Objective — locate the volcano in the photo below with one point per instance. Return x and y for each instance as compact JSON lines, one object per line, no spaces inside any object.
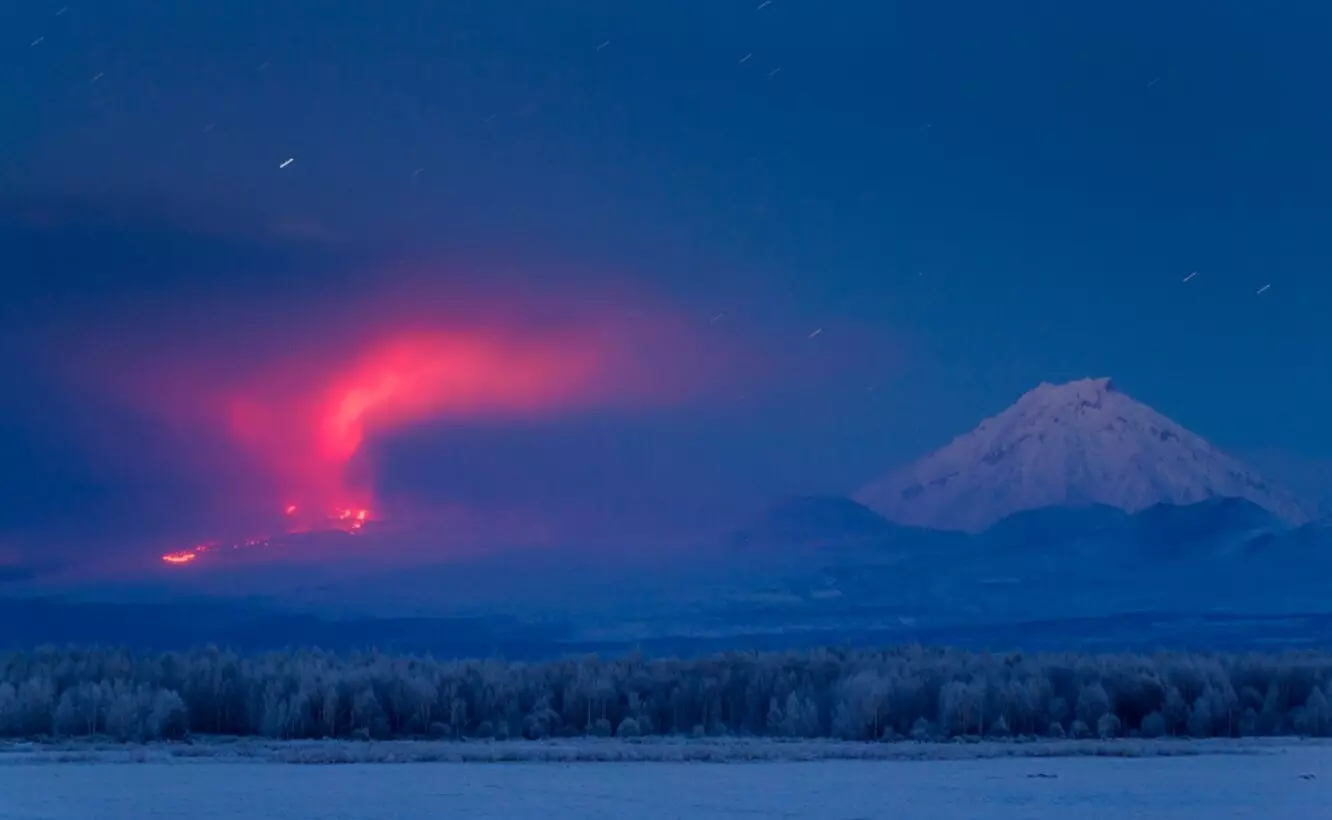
{"x":1076,"y":444}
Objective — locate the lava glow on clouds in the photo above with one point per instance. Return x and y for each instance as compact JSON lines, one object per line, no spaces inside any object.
{"x":307,"y":420}
{"x":299,"y":409}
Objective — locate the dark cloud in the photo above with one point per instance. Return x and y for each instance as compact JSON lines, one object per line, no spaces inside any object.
{"x":72,"y":260}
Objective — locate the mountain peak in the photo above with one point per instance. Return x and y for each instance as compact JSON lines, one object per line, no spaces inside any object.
{"x":1089,"y":392}
{"x":1083,"y":442}
{"x":1076,"y":389}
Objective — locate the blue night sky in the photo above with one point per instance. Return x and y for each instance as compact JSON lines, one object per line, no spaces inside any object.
{"x":967,"y":198}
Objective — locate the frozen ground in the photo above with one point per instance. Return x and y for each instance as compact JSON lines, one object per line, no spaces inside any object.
{"x":1289,"y":781}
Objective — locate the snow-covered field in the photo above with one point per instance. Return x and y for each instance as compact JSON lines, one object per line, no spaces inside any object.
{"x":1290,"y":781}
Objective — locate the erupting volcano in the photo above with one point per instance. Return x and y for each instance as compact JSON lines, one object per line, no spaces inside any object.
{"x":305,"y":427}
{"x":301,"y":419}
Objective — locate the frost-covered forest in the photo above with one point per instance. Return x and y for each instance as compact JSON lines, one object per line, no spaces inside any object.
{"x":901,"y":693}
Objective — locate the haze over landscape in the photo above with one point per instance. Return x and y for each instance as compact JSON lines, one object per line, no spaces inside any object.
{"x":697,"y":336}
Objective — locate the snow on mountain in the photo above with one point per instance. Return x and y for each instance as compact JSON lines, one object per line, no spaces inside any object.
{"x":1072,"y":444}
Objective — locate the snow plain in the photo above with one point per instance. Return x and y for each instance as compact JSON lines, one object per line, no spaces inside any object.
{"x":1291,"y":781}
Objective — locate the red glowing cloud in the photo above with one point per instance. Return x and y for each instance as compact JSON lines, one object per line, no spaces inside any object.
{"x":306,"y":419}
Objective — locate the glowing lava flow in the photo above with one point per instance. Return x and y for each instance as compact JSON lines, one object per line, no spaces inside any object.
{"x":344,"y":520}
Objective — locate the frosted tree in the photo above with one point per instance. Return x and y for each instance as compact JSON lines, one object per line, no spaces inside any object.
{"x":1314,"y":719}
{"x":167,"y":718}
{"x":1175,"y":712}
{"x":863,"y":702}
{"x":1059,"y":712}
{"x":10,"y":723}
{"x":800,"y":718}
{"x":1153,"y":725}
{"x":1093,"y":702}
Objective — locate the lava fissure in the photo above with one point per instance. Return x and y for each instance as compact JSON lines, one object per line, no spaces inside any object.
{"x":348,"y":520}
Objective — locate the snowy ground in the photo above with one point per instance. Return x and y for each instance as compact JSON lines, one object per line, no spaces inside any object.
{"x":606,"y":750}
{"x":1287,"y":780}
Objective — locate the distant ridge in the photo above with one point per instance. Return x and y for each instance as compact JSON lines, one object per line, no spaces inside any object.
{"x":1073,"y":444}
{"x":812,"y":520}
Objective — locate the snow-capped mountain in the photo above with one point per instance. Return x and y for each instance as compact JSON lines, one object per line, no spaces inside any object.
{"x":1072,"y":444}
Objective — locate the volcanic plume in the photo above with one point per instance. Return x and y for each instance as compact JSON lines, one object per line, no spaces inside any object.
{"x":306,"y":426}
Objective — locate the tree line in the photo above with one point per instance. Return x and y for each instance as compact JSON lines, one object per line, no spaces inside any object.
{"x":908,"y":692}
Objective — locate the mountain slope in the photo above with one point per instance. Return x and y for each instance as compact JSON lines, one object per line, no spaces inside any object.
{"x":1073,"y":444}
{"x":808,"y":523}
{"x":811,"y":533}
